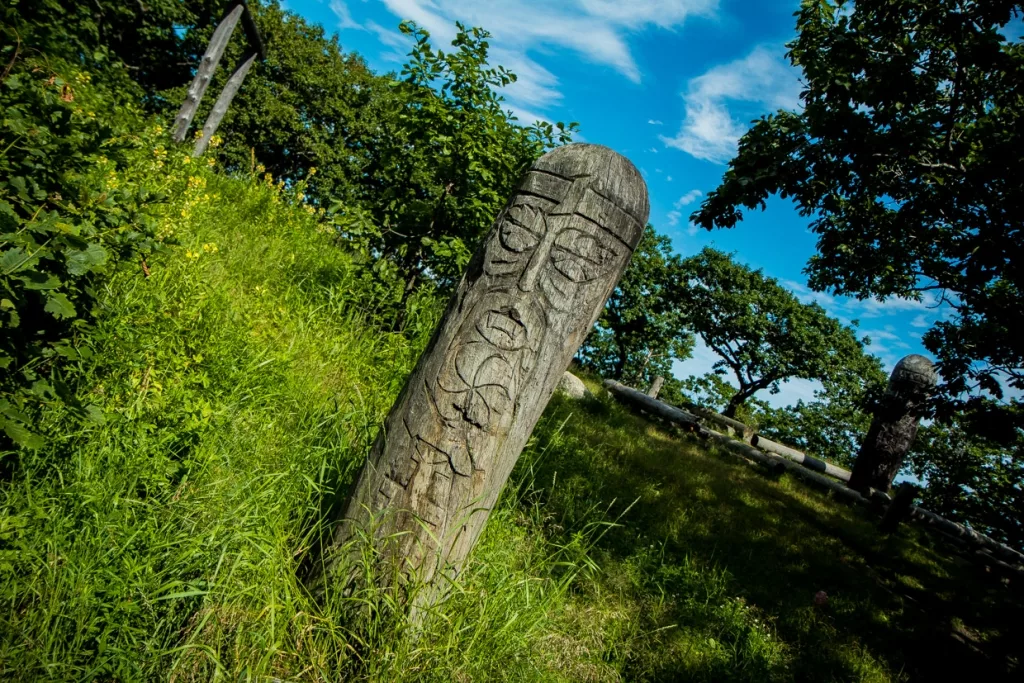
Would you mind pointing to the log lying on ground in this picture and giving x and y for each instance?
(641, 400)
(745, 432)
(777, 462)
(807, 461)
(801, 469)
(951, 528)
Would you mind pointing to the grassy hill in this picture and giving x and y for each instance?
(242, 382)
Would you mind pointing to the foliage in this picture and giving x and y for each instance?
(306, 106)
(68, 217)
(833, 425)
(970, 479)
(904, 154)
(640, 332)
(763, 334)
(445, 158)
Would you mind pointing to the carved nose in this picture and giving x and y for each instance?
(528, 280)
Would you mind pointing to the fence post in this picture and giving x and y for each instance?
(899, 508)
(207, 65)
(223, 102)
(656, 386)
(894, 425)
(530, 295)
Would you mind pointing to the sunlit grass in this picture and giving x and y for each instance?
(242, 385)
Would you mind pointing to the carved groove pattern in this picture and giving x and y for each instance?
(528, 299)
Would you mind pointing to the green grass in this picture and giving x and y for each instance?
(243, 382)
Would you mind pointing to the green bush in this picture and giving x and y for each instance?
(71, 212)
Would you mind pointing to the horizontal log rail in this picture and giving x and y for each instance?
(809, 470)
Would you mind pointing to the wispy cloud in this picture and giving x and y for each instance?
(655, 122)
(596, 30)
(688, 198)
(345, 21)
(673, 218)
(759, 82)
(692, 229)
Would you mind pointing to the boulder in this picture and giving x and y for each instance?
(572, 386)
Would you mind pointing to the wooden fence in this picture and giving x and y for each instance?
(780, 458)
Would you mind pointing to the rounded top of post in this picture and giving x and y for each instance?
(914, 371)
(615, 176)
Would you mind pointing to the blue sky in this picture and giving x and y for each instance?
(671, 84)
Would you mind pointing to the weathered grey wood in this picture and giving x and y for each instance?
(529, 296)
(653, 406)
(776, 463)
(899, 510)
(207, 65)
(656, 386)
(799, 457)
(969, 536)
(744, 432)
(223, 102)
(894, 425)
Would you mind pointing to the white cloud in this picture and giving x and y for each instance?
(345, 21)
(920, 321)
(673, 218)
(692, 230)
(668, 178)
(655, 122)
(688, 198)
(759, 82)
(596, 30)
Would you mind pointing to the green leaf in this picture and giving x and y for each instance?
(81, 262)
(20, 434)
(58, 305)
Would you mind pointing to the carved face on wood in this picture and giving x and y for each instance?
(558, 239)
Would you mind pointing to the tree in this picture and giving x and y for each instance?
(641, 331)
(763, 334)
(905, 155)
(444, 158)
(971, 479)
(834, 424)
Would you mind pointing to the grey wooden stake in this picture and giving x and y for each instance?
(899, 509)
(656, 386)
(530, 295)
(223, 102)
(894, 425)
(204, 73)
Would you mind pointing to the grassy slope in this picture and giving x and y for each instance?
(243, 382)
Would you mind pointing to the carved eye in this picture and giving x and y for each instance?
(519, 230)
(580, 257)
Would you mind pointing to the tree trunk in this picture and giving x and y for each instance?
(529, 296)
(894, 425)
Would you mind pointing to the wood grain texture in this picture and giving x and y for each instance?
(220, 108)
(530, 295)
(796, 456)
(639, 399)
(207, 66)
(894, 425)
(656, 386)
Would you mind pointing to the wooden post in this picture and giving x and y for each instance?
(223, 102)
(656, 386)
(529, 296)
(208, 64)
(899, 509)
(894, 426)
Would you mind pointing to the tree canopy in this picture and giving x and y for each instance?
(762, 332)
(641, 330)
(904, 156)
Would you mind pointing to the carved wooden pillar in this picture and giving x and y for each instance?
(656, 386)
(529, 296)
(894, 426)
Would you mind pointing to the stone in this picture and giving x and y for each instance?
(528, 298)
(572, 386)
(894, 425)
